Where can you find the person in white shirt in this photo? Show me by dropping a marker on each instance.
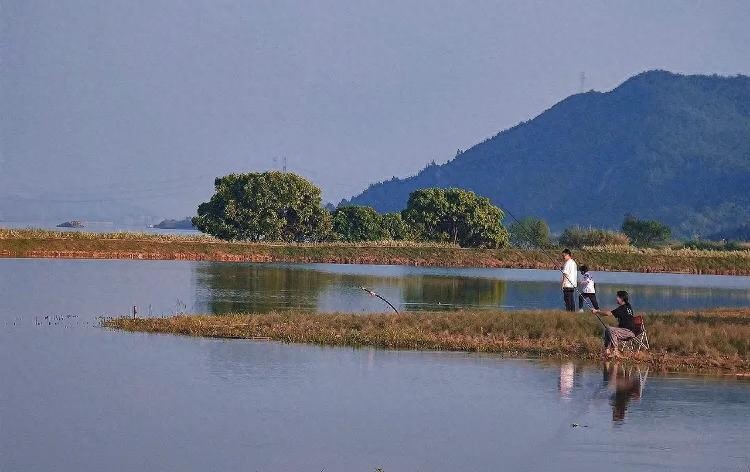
(587, 289)
(569, 280)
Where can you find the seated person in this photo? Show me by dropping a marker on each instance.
(625, 323)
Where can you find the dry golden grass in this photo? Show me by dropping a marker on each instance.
(127, 245)
(715, 340)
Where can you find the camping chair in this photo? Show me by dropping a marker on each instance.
(640, 341)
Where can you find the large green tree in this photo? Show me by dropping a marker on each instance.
(646, 232)
(455, 215)
(529, 232)
(358, 223)
(267, 206)
(396, 227)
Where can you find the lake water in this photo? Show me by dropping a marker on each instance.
(109, 287)
(75, 397)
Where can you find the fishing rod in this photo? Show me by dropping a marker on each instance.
(376, 294)
(554, 262)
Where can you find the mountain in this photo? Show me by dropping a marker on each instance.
(660, 145)
(738, 233)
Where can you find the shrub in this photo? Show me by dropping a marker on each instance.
(712, 245)
(646, 233)
(579, 237)
(529, 233)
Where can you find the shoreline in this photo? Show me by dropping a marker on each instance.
(706, 341)
(31, 243)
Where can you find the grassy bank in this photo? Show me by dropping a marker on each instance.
(62, 244)
(710, 340)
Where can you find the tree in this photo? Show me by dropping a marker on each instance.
(455, 215)
(645, 232)
(267, 206)
(358, 223)
(530, 232)
(396, 227)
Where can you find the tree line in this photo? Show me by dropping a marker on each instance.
(282, 206)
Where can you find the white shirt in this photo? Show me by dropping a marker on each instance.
(587, 284)
(570, 269)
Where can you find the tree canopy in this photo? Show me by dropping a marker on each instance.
(455, 215)
(264, 206)
(358, 223)
(529, 232)
(396, 227)
(646, 232)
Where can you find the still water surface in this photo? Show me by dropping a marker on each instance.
(111, 286)
(75, 397)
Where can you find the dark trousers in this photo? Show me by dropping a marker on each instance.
(570, 304)
(591, 297)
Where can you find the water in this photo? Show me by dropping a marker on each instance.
(76, 397)
(110, 287)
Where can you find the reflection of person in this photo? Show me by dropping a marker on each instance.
(625, 323)
(587, 289)
(567, 379)
(626, 385)
(569, 280)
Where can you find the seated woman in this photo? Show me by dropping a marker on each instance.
(626, 324)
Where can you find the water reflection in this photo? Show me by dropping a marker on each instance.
(224, 288)
(452, 291)
(567, 379)
(626, 384)
(227, 287)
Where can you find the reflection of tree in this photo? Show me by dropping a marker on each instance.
(455, 291)
(225, 288)
(627, 384)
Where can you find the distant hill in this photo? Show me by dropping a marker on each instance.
(660, 145)
(185, 223)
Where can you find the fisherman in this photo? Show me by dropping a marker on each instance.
(569, 280)
(625, 324)
(587, 289)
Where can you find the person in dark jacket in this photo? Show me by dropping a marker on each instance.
(625, 323)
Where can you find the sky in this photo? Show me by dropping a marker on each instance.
(143, 103)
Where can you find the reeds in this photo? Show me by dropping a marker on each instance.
(716, 340)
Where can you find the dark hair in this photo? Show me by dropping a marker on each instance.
(623, 295)
(566, 251)
(584, 268)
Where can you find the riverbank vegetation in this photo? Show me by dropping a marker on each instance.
(126, 245)
(707, 340)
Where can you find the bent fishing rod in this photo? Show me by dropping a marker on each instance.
(554, 262)
(376, 294)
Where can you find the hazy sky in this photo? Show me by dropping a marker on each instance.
(146, 101)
